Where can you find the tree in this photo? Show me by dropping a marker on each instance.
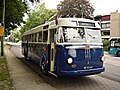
(14, 36)
(14, 13)
(37, 17)
(75, 8)
(15, 10)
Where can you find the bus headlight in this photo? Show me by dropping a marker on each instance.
(70, 60)
(102, 58)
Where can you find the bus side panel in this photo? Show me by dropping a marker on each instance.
(39, 51)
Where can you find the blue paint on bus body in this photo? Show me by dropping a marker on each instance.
(80, 65)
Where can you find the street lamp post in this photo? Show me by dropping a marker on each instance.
(3, 20)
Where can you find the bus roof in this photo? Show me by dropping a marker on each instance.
(114, 38)
(73, 22)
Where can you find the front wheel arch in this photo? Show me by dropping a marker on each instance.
(118, 53)
(25, 55)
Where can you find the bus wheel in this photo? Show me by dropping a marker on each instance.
(43, 67)
(118, 53)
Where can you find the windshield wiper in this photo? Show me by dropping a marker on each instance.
(91, 36)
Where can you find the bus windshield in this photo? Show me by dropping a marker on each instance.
(115, 43)
(74, 34)
(93, 36)
(79, 35)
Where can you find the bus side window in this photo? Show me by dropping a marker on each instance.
(23, 38)
(45, 36)
(40, 36)
(112, 43)
(28, 38)
(33, 37)
(36, 37)
(53, 35)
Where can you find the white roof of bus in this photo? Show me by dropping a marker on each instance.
(77, 19)
(114, 38)
(65, 22)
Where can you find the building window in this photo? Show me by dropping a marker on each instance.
(106, 33)
(105, 25)
(106, 18)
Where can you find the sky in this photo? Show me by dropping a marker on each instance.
(102, 7)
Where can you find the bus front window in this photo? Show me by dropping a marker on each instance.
(74, 35)
(93, 36)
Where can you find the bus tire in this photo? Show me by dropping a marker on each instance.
(43, 66)
(118, 53)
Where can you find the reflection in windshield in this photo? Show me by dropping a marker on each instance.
(79, 35)
(74, 34)
(93, 36)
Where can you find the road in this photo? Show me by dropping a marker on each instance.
(27, 76)
(112, 65)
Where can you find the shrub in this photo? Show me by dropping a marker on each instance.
(105, 45)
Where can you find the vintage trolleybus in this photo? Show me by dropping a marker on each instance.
(67, 47)
(114, 46)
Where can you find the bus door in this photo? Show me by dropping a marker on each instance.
(52, 49)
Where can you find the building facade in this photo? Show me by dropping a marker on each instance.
(115, 24)
(110, 25)
(104, 22)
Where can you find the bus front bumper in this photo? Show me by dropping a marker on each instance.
(77, 73)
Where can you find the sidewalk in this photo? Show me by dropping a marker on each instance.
(23, 77)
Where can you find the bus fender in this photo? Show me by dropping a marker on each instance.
(118, 53)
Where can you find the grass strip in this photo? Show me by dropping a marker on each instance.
(6, 83)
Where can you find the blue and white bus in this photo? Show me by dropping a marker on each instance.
(114, 46)
(67, 47)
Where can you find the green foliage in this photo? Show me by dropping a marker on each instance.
(14, 13)
(105, 45)
(37, 17)
(75, 8)
(15, 36)
(5, 80)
